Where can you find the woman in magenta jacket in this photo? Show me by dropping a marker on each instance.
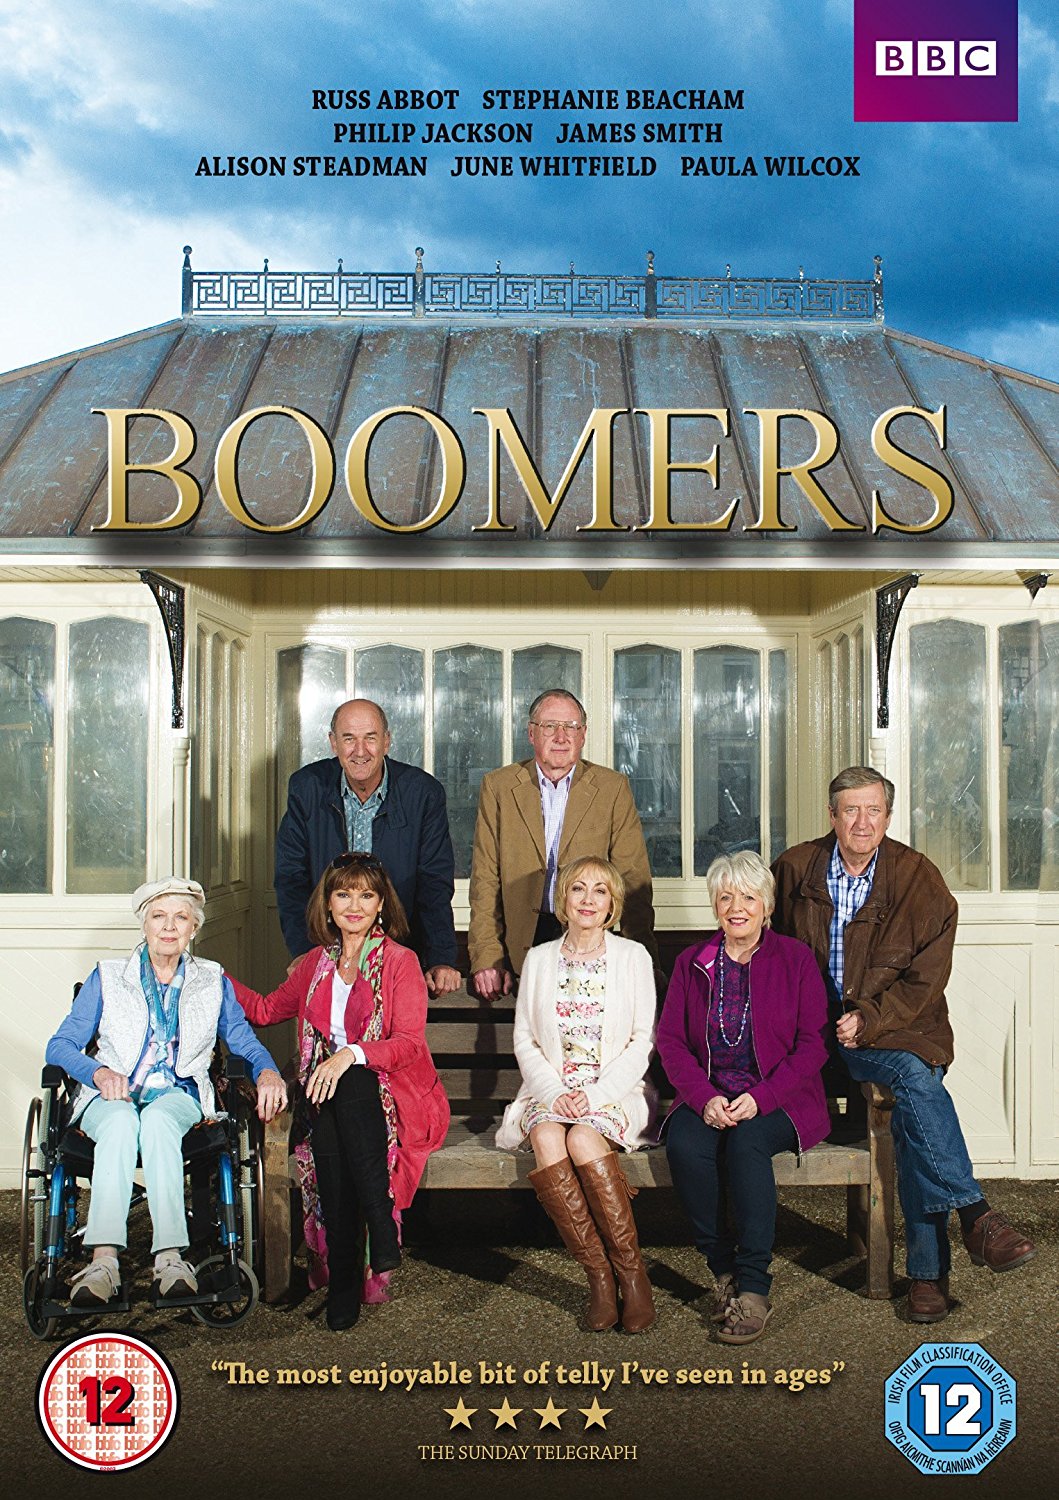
(374, 1105)
(742, 1040)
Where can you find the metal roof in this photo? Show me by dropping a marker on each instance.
(1002, 456)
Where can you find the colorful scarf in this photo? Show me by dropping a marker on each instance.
(155, 1073)
(314, 1049)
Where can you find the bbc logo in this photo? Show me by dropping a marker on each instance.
(935, 59)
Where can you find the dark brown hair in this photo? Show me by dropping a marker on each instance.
(350, 872)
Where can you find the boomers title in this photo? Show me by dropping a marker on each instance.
(782, 432)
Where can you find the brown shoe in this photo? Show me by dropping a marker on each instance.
(746, 1318)
(723, 1293)
(559, 1193)
(992, 1242)
(608, 1194)
(928, 1301)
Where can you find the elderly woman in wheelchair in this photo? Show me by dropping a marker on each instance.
(155, 1019)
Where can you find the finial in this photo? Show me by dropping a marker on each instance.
(340, 265)
(419, 257)
(498, 268)
(728, 271)
(187, 257)
(266, 265)
(801, 273)
(571, 268)
(650, 262)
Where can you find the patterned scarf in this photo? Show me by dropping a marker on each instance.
(155, 1074)
(314, 1049)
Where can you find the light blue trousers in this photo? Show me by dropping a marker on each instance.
(121, 1133)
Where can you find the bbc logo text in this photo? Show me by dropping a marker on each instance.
(935, 59)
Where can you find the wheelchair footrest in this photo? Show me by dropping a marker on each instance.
(52, 1309)
(221, 1286)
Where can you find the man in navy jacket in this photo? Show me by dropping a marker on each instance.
(362, 800)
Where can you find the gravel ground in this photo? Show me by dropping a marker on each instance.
(485, 1285)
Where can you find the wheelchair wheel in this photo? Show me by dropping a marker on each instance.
(228, 1314)
(31, 1220)
(252, 1190)
(39, 1326)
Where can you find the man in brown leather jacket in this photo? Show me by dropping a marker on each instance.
(882, 923)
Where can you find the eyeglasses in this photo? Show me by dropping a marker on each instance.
(358, 858)
(553, 726)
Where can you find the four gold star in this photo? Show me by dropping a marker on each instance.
(550, 1414)
(461, 1415)
(595, 1414)
(505, 1415)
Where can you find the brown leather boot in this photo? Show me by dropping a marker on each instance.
(559, 1193)
(608, 1195)
(994, 1243)
(928, 1301)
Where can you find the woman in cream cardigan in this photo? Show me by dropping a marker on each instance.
(583, 1030)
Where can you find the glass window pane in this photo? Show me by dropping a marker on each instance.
(27, 698)
(392, 676)
(727, 718)
(779, 678)
(647, 746)
(947, 714)
(106, 778)
(468, 735)
(1029, 705)
(534, 671)
(310, 684)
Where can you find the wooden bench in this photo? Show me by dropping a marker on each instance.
(472, 1045)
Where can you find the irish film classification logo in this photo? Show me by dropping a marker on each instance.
(950, 1408)
(107, 1401)
(935, 60)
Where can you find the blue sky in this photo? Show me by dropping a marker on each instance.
(106, 107)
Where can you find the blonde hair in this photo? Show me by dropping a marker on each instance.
(743, 871)
(612, 878)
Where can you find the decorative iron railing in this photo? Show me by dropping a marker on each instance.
(422, 293)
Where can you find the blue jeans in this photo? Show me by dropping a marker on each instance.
(120, 1132)
(934, 1172)
(717, 1169)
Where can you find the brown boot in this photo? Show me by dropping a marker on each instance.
(928, 1301)
(994, 1243)
(559, 1193)
(608, 1195)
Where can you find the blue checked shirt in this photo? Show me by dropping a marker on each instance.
(848, 894)
(361, 815)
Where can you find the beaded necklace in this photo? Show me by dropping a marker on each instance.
(729, 1041)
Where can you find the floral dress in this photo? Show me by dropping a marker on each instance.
(579, 1007)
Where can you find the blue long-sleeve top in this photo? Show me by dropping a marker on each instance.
(66, 1048)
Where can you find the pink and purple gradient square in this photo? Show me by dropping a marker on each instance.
(956, 87)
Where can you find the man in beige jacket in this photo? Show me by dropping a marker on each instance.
(533, 817)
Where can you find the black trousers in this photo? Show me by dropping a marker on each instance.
(349, 1151)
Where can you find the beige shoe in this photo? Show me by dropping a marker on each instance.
(724, 1293)
(747, 1316)
(98, 1284)
(175, 1278)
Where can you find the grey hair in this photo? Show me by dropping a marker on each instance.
(854, 779)
(195, 907)
(743, 871)
(557, 693)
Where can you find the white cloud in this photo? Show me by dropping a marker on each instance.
(1032, 346)
(82, 266)
(1039, 51)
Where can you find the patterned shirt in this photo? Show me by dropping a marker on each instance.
(848, 894)
(361, 815)
(553, 806)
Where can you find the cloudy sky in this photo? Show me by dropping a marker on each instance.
(106, 107)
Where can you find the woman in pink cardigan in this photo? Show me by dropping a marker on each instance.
(583, 1028)
(374, 1105)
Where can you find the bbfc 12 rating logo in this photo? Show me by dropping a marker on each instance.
(107, 1401)
(950, 1408)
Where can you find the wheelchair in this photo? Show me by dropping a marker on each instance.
(225, 1191)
